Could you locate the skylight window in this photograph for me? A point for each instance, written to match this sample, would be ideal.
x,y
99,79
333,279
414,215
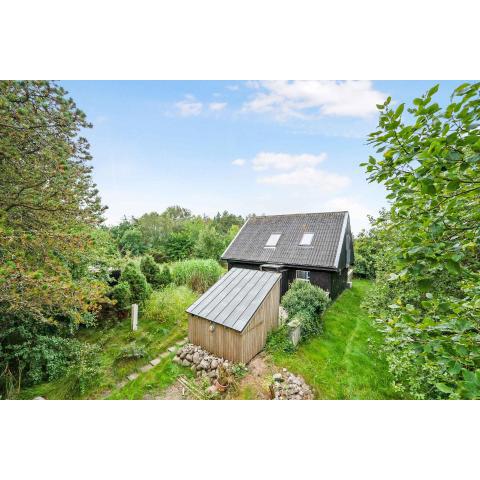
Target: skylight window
x,y
273,240
306,239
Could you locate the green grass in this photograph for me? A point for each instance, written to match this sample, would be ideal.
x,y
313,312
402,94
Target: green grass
x,y
162,322
343,362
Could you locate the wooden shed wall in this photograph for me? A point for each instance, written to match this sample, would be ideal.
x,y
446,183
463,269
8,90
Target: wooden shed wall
x,y
238,346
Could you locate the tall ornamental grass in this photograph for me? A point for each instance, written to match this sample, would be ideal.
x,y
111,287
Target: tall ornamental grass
x,y
168,305
199,275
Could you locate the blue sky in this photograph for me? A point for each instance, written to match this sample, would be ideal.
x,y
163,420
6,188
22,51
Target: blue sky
x,y
245,147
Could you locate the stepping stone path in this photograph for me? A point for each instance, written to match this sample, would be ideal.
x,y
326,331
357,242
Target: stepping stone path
x,y
145,368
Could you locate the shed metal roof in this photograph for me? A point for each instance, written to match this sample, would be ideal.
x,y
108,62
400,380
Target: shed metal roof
x,y
328,230
235,298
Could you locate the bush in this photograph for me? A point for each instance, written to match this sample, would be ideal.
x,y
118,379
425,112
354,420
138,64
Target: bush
x,y
278,341
199,275
138,283
122,294
152,271
165,276
307,301
83,374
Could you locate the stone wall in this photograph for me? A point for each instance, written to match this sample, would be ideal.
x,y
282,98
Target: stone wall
x,y
200,361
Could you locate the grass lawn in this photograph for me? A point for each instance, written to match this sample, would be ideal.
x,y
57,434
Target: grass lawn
x,y
162,322
343,362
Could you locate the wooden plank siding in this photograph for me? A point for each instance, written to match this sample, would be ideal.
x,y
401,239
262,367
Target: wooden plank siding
x,y
238,346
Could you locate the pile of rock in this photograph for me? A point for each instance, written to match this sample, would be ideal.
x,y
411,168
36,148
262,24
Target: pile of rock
x,y
287,386
200,361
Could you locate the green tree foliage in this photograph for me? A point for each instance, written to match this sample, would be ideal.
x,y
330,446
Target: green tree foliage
x,y
139,287
210,244
306,302
132,242
367,244
224,221
429,160
179,246
49,210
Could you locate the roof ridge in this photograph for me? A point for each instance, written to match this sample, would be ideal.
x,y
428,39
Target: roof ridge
x,y
299,213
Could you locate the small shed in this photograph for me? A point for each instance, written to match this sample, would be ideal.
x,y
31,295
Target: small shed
x,y
232,319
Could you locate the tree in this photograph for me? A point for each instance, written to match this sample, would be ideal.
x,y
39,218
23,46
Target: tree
x,y
431,168
367,244
139,287
210,244
224,221
132,241
49,207
178,246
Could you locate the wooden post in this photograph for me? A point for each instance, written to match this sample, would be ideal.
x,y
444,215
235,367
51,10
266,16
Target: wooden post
x,y
134,316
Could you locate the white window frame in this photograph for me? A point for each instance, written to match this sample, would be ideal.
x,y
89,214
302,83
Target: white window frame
x,y
273,240
304,242
307,275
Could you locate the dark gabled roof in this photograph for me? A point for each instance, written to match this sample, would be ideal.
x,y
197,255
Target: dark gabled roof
x,y
235,298
328,228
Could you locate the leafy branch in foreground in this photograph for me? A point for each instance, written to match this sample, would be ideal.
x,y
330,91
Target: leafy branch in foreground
x,y
429,160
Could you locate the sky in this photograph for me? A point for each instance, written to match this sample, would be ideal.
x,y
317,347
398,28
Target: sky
x,y
263,147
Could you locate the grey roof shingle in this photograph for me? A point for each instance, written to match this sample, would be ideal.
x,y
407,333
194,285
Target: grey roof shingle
x,y
328,229
235,298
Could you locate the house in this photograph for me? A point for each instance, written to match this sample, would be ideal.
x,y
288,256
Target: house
x,y
232,318
315,247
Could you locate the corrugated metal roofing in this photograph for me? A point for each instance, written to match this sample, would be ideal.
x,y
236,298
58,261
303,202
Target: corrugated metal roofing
x,y
328,229
235,298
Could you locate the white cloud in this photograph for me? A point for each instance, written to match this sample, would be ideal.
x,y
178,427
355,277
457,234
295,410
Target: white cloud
x,y
189,107
239,162
308,177
286,161
217,106
297,98
233,88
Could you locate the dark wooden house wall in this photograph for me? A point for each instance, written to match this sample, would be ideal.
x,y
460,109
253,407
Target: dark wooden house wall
x,y
332,282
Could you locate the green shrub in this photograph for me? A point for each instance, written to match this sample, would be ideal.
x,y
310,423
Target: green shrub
x,y
84,373
197,274
122,294
278,341
150,269
165,277
309,302
138,283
